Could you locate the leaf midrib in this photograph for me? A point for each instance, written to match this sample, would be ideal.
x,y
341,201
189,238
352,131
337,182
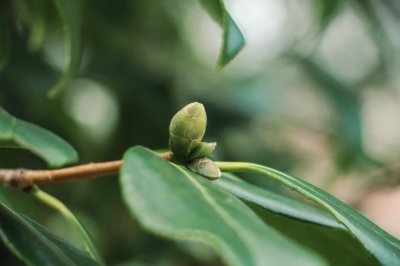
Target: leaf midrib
x,y
218,209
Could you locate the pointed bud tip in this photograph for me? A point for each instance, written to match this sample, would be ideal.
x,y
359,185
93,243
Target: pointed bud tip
x,y
195,108
186,130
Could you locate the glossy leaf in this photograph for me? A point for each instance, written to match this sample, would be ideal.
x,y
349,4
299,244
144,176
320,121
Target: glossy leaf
x,y
233,39
17,133
175,203
384,247
71,13
28,244
277,203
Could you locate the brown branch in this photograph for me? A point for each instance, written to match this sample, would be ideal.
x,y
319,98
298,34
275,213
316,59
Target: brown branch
x,y
25,178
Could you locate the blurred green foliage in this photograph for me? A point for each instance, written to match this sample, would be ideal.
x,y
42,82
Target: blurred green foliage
x,y
315,91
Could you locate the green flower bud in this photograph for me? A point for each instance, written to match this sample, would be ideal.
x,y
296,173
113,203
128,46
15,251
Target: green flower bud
x,y
205,167
186,130
204,149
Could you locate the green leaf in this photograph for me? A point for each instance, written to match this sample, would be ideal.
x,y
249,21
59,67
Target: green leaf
x,y
303,223
71,13
38,21
326,11
384,247
54,150
77,227
72,252
233,40
28,244
7,124
338,248
175,203
13,227
276,203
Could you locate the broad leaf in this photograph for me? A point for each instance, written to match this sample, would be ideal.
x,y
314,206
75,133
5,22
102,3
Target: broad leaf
x,y
27,243
17,133
233,40
276,203
384,247
71,13
175,203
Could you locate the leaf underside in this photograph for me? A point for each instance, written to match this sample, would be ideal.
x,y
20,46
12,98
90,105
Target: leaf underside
x,y
233,40
71,13
20,134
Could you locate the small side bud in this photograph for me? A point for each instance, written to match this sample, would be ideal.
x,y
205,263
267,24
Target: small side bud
x,y
205,167
186,130
203,149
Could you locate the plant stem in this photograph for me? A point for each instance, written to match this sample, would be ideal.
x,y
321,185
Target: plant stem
x,y
57,205
24,178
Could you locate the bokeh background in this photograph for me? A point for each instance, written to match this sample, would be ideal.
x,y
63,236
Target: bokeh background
x,y
315,92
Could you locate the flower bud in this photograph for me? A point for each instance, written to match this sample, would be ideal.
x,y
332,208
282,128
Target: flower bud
x,y
203,149
186,130
205,167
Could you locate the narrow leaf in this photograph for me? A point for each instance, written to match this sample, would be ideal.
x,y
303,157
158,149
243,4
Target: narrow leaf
x,y
338,247
175,203
54,150
276,203
38,13
233,39
75,254
71,13
27,243
384,247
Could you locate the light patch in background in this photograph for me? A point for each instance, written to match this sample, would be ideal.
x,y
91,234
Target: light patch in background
x,y
381,124
93,106
346,48
260,21
55,54
380,206
54,51
203,34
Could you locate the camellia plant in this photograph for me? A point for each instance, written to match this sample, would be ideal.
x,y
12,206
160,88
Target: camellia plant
x,y
182,194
